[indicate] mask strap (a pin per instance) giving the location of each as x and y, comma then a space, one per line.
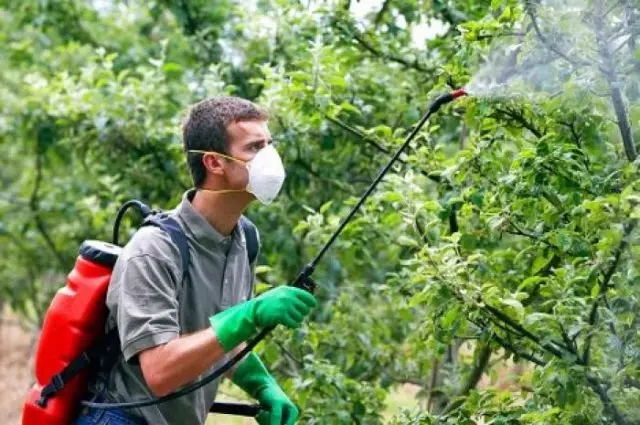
223, 191
216, 153
223, 155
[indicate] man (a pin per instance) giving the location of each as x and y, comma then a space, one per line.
174, 331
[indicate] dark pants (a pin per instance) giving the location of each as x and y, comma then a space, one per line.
95, 416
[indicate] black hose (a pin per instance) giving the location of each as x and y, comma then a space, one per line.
141, 207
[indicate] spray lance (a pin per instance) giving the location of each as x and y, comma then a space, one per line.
302, 281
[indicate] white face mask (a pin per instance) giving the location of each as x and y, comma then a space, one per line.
266, 173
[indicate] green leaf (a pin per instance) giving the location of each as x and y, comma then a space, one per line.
404, 240
530, 282
539, 263
392, 197
347, 107
506, 15
173, 70
262, 287
262, 269
325, 207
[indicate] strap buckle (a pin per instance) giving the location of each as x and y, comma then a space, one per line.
54, 386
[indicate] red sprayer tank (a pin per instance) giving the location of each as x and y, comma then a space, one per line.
74, 321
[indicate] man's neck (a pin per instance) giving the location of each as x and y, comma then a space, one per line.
221, 210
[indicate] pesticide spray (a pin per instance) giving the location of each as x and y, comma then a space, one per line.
561, 42
585, 47
588, 47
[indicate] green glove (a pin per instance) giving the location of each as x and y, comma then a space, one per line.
284, 305
255, 380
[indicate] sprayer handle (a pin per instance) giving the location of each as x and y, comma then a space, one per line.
304, 280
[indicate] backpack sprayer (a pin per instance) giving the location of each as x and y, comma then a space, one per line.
92, 270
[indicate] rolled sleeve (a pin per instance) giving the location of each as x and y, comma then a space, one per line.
146, 303
147, 341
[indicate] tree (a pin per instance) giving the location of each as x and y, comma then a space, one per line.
510, 228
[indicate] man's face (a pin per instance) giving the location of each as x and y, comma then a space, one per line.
246, 138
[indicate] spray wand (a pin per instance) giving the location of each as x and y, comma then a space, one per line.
303, 281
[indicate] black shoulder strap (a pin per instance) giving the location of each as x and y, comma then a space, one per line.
170, 226
251, 236
93, 355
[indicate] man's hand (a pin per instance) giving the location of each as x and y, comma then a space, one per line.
279, 410
284, 305
255, 380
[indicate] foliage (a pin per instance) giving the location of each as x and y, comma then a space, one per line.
510, 224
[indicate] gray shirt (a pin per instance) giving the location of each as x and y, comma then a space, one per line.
151, 306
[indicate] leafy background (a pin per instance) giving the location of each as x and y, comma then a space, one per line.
507, 235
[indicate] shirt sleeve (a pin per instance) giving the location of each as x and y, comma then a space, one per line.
146, 304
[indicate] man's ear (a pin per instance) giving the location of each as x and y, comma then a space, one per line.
213, 164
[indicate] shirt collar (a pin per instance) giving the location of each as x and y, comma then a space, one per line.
198, 226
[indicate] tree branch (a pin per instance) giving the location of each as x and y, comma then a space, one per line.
611, 74
381, 13
520, 119
375, 52
578, 142
191, 25
34, 205
309, 169
543, 272
604, 287
521, 232
635, 383
433, 382
556, 172
608, 404
374, 143
408, 380
509, 346
523, 332
361, 135
442, 7
530, 6
481, 360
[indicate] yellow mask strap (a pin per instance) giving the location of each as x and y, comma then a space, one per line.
225, 156
223, 191
216, 153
